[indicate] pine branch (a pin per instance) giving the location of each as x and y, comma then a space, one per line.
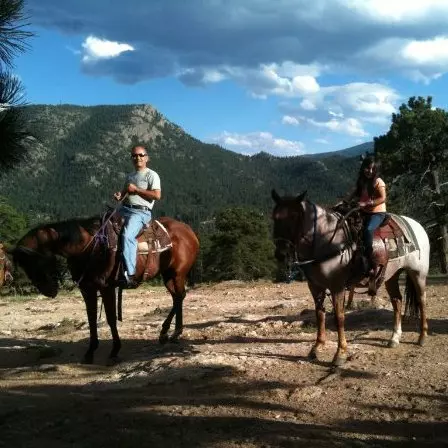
12, 35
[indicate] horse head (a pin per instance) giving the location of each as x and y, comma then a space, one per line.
287, 216
40, 266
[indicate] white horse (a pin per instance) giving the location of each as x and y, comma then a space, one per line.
317, 240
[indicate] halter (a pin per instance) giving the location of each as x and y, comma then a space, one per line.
297, 264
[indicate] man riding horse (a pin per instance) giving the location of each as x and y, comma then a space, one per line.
140, 191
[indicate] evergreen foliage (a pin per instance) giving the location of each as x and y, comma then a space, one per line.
14, 135
241, 247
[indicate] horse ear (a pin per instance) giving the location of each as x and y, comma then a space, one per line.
275, 196
54, 234
301, 197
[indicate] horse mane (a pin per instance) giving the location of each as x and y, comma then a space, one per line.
69, 231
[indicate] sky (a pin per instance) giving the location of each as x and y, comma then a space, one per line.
288, 77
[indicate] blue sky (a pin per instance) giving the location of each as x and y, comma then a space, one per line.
287, 76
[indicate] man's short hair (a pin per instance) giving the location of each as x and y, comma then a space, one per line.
139, 146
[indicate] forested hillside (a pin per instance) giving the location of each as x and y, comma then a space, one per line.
81, 156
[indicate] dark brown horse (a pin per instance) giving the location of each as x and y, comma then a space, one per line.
77, 241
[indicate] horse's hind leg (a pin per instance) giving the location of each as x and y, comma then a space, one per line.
176, 286
419, 281
393, 289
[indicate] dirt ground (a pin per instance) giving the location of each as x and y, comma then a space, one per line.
240, 377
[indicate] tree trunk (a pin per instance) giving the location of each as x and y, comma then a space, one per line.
442, 229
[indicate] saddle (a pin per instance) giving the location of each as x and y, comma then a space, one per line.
152, 240
393, 239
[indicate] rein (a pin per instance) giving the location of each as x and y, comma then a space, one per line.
100, 235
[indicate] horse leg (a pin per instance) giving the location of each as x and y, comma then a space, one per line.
90, 299
419, 281
176, 287
319, 299
351, 294
110, 308
393, 289
338, 304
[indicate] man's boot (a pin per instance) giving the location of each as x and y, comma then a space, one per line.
131, 282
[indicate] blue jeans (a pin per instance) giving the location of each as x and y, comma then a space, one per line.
134, 220
371, 222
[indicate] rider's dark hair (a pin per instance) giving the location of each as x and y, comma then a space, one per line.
365, 182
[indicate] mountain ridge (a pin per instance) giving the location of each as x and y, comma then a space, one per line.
82, 156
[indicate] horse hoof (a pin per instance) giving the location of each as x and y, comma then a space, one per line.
314, 352
163, 338
88, 359
421, 341
174, 339
393, 344
113, 360
339, 360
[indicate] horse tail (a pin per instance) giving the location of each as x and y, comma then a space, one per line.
412, 308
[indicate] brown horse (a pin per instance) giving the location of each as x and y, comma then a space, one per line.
87, 257
316, 239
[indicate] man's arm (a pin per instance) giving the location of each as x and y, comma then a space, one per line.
152, 193
149, 195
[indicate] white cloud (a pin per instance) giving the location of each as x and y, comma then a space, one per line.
397, 10
335, 114
322, 141
345, 109
255, 142
361, 97
96, 49
349, 126
420, 60
293, 121
285, 80
307, 104
213, 76
427, 52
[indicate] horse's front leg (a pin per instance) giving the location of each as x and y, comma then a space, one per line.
338, 304
110, 307
319, 299
90, 299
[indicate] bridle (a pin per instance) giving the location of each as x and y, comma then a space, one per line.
298, 263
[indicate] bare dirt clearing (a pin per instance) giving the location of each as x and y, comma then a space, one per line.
240, 376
